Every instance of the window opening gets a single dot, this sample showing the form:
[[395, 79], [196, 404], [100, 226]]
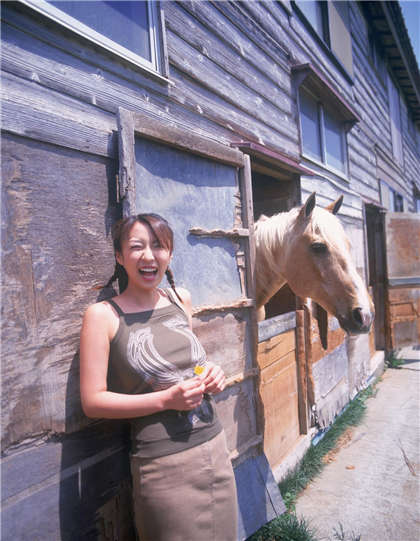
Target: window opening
[[126, 28], [270, 196]]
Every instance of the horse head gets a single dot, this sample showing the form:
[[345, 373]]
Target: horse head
[[314, 258]]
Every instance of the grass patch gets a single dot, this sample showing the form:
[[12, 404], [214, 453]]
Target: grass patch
[[288, 527], [392, 361], [312, 464]]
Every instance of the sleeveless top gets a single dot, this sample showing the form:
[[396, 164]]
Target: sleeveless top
[[151, 351]]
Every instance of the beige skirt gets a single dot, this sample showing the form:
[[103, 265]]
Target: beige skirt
[[186, 496]]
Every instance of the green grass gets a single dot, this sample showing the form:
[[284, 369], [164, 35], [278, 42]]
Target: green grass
[[288, 527], [393, 361]]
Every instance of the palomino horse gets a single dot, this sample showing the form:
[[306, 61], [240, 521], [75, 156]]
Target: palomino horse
[[308, 249]]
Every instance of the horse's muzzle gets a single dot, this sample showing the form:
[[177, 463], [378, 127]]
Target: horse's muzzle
[[359, 321]]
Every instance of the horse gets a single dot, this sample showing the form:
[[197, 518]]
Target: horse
[[308, 249]]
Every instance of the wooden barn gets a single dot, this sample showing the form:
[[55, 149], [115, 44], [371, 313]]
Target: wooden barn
[[210, 113]]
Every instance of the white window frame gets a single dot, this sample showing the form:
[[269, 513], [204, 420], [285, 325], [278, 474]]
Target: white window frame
[[321, 106], [80, 28]]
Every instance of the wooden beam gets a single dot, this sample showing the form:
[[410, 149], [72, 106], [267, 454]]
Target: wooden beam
[[301, 368], [238, 378], [127, 171], [176, 136], [226, 233], [241, 303]]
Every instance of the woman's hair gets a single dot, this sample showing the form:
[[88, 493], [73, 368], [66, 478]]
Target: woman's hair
[[160, 229]]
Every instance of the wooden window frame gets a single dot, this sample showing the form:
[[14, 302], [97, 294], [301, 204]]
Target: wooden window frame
[[322, 106], [157, 66], [307, 77]]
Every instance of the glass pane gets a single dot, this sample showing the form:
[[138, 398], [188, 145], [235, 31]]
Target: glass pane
[[313, 12], [309, 120], [334, 142], [125, 23]]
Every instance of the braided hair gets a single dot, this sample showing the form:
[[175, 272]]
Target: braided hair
[[162, 231]]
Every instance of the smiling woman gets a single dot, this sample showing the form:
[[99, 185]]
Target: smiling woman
[[140, 360]]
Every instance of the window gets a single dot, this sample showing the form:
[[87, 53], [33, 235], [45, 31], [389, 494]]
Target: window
[[323, 135], [391, 199], [126, 28], [377, 57], [316, 14], [329, 24], [395, 121]]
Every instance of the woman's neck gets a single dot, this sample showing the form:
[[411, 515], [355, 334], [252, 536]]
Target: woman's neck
[[135, 299]]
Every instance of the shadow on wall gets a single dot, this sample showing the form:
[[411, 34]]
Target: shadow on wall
[[95, 486]]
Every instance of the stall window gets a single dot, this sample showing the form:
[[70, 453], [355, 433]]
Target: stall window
[[129, 29]]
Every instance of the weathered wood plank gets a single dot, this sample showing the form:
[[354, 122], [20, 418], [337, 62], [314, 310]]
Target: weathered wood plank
[[225, 53], [259, 498], [56, 249], [228, 233], [276, 325], [24, 120], [67, 76], [237, 13], [127, 161], [67, 489], [301, 361], [175, 135], [279, 395], [216, 81], [237, 38], [275, 348], [239, 123]]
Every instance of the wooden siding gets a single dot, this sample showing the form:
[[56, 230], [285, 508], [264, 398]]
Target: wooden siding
[[230, 79]]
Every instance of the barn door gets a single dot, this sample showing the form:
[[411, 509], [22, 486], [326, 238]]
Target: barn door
[[402, 233], [203, 188], [377, 269]]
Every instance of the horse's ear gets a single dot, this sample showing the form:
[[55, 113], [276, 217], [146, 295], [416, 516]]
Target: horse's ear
[[335, 207], [262, 218], [308, 207]]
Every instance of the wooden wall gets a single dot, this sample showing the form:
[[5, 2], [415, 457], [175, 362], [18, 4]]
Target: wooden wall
[[231, 68]]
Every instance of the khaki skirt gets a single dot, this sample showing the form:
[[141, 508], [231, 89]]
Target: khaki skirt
[[186, 496]]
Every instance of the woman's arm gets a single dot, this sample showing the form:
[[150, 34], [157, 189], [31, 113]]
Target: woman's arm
[[97, 330]]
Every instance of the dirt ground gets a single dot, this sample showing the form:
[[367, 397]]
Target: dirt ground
[[371, 483]]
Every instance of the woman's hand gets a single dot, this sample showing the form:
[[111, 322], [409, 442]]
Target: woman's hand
[[186, 395], [213, 378]]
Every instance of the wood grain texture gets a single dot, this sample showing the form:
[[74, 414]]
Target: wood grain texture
[[55, 250]]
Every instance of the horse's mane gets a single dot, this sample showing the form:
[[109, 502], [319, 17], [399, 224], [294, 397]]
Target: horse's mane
[[272, 231]]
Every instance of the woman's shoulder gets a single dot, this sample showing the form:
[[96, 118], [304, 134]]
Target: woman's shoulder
[[184, 294], [100, 310]]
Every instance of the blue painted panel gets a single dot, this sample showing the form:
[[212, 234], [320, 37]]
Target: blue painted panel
[[191, 191], [259, 497]]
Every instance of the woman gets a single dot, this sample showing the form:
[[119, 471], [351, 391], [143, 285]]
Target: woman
[[140, 360]]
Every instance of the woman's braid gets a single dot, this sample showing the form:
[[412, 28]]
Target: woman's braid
[[170, 278], [120, 275]]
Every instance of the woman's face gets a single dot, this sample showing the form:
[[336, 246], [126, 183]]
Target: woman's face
[[143, 257]]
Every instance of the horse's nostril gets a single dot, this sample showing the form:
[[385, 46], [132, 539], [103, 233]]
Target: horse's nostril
[[358, 316]]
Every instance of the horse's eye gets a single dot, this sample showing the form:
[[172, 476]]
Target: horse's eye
[[319, 248]]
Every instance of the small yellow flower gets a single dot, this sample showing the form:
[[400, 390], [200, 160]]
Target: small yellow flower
[[198, 369]]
